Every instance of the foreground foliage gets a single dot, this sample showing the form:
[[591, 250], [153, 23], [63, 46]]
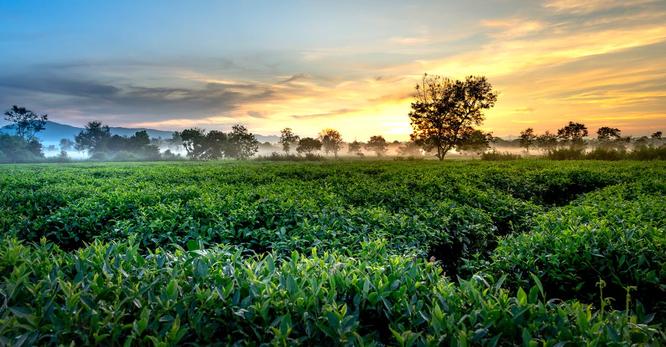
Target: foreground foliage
[[398, 253]]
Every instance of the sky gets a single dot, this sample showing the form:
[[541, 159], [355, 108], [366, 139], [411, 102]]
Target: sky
[[348, 65]]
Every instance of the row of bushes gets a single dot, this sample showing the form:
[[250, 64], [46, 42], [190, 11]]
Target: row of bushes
[[638, 153], [374, 238], [114, 294], [615, 235]]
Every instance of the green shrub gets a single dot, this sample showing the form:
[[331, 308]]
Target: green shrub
[[113, 294], [648, 153], [616, 235], [566, 154], [498, 156]]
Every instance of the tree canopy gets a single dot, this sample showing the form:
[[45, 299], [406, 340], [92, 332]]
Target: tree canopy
[[527, 139], [445, 111], [308, 145], [25, 122], [331, 141], [202, 145], [573, 134], [287, 139], [377, 144]]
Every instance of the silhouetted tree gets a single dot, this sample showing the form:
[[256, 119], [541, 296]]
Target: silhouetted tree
[[308, 145], [611, 138], [287, 138], [475, 141], [66, 144], [216, 145], [331, 141], [15, 149], [377, 144], [445, 111], [656, 135], [175, 141], [527, 139], [547, 142], [93, 137], [242, 144], [409, 149], [194, 142], [25, 122], [355, 148], [573, 134], [608, 134]]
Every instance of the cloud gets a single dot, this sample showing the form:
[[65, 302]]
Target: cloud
[[99, 98], [587, 6], [513, 27], [410, 40], [324, 114]]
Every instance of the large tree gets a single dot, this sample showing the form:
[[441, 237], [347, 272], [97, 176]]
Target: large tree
[[242, 143], [200, 145], [573, 134], [611, 138], [308, 145], [377, 144], [287, 139], [331, 141], [216, 145], [527, 139], [547, 141], [25, 122], [355, 148], [93, 138], [445, 111]]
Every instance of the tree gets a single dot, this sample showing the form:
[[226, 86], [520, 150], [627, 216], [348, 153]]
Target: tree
[[547, 142], [608, 134], [377, 144], [444, 111], [475, 141], [409, 149], [355, 148], [175, 141], [611, 138], [287, 138], [193, 141], [25, 122], [656, 135], [215, 145], [331, 141], [200, 145], [242, 144], [308, 145], [573, 134], [527, 139], [66, 144], [93, 138], [15, 149]]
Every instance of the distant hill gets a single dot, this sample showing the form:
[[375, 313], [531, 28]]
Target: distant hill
[[55, 131]]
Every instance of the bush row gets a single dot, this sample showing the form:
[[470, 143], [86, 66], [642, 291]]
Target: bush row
[[115, 294]]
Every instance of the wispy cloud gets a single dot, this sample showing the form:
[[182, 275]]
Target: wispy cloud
[[587, 6]]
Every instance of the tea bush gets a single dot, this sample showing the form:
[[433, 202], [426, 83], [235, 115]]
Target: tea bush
[[616, 235], [349, 253], [114, 294]]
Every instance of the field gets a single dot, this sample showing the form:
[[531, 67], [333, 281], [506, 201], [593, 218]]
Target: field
[[387, 252]]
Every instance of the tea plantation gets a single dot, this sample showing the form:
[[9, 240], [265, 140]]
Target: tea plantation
[[533, 253]]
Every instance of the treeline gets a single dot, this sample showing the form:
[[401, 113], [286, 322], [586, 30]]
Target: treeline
[[573, 142], [440, 124], [23, 146]]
